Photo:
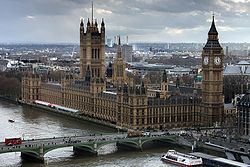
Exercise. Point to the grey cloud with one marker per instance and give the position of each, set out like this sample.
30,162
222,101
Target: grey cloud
58,20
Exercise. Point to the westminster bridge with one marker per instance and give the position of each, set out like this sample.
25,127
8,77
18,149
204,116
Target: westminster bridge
35,149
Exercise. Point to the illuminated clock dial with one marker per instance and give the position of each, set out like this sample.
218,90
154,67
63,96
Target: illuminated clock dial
205,60
217,60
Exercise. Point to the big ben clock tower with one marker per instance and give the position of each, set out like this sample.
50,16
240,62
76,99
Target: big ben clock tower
212,83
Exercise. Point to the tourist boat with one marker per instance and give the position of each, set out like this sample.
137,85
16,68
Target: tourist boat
181,159
11,121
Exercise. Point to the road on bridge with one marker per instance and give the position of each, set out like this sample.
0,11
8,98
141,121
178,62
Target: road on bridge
71,140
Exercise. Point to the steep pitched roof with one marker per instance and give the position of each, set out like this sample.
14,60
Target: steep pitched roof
213,30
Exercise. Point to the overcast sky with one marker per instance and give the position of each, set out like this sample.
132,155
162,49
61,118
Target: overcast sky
57,21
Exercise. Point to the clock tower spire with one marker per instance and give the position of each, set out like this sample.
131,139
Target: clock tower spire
212,84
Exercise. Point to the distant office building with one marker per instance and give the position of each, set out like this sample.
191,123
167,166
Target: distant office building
3,65
236,80
127,52
243,108
109,42
227,54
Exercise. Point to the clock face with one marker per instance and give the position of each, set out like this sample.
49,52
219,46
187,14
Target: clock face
205,60
217,61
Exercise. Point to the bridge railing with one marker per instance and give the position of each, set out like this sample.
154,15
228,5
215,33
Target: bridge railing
74,140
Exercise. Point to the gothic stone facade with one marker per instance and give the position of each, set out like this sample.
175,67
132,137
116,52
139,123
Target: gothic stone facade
212,83
128,106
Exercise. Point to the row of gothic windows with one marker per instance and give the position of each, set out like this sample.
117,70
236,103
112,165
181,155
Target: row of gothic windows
95,53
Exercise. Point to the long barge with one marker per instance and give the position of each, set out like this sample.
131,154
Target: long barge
215,161
61,111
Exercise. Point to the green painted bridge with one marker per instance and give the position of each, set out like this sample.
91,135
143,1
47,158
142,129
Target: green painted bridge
35,150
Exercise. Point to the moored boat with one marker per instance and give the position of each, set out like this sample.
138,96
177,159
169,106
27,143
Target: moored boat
181,159
11,121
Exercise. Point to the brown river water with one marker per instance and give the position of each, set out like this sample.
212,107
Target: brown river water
32,123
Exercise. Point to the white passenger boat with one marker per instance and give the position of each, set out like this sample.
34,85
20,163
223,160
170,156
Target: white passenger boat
181,159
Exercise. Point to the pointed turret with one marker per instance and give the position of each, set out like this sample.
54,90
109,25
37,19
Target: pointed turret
81,22
213,30
102,24
119,73
81,26
119,48
88,23
119,40
96,23
164,77
213,40
164,94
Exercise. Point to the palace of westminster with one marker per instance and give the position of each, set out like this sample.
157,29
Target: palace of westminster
129,105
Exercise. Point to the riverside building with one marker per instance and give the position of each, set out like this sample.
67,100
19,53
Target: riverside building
129,105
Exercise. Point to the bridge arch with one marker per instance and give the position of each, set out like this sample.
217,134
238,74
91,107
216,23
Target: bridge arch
32,155
156,139
131,142
85,149
146,141
134,143
99,145
49,149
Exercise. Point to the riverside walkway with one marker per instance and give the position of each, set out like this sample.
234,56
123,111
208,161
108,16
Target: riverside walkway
35,149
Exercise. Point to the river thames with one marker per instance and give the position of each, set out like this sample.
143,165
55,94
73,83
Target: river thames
31,123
